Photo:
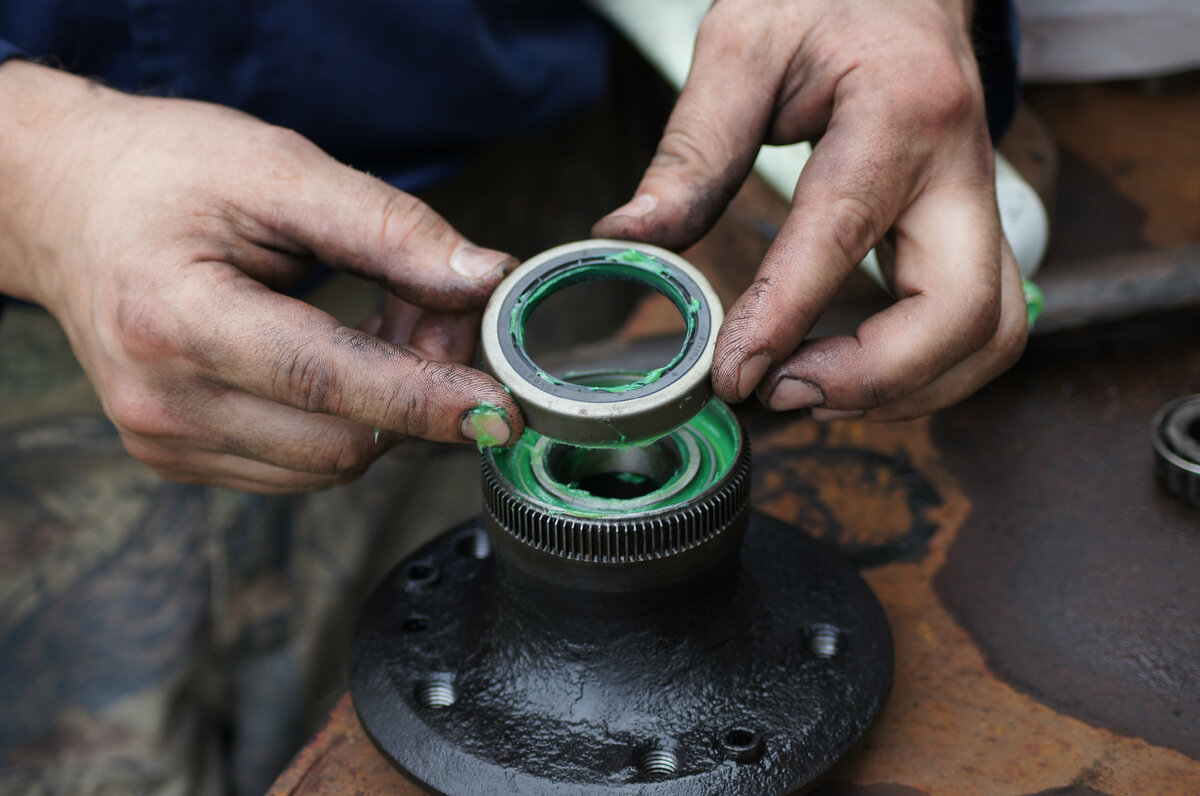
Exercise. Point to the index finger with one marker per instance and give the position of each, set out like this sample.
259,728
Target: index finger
948,279
853,187
287,351
360,224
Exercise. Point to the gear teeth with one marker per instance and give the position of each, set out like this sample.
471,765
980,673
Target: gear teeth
625,539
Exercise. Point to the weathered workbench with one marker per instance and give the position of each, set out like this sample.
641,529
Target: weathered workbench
1042,589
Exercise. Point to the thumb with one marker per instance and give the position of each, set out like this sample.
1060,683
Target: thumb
707,149
360,224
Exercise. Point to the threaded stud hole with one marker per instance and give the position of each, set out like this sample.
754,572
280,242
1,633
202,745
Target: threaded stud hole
437,694
825,641
474,544
658,763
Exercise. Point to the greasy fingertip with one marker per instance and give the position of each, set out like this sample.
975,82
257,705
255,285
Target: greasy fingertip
750,373
793,393
635,209
489,425
479,264
672,217
725,378
734,376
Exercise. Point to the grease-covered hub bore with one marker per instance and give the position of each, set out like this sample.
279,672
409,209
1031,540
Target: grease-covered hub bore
617,412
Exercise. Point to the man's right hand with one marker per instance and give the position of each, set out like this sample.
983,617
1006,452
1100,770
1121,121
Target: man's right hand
157,231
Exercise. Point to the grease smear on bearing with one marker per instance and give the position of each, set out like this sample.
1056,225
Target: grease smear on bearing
630,266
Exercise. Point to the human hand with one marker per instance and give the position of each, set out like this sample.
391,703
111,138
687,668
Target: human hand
157,230
890,94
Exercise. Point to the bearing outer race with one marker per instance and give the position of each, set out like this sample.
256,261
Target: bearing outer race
574,413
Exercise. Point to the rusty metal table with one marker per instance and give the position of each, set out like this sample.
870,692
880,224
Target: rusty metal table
1043,590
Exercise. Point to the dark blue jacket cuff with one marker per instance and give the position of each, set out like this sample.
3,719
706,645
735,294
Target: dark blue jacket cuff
8,51
996,38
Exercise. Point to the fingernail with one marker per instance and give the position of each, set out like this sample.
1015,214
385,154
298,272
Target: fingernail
637,207
792,393
751,373
836,414
476,262
487,426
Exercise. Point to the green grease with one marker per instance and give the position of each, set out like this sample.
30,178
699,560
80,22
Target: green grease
481,417
635,256
714,429
1035,300
630,266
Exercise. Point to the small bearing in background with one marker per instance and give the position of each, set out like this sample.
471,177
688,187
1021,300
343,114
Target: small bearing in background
617,411
1176,437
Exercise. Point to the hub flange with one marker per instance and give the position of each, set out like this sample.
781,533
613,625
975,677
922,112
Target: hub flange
473,680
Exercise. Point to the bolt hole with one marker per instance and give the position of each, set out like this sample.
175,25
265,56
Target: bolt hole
1193,430
420,574
415,624
740,738
658,763
742,744
437,694
473,545
825,641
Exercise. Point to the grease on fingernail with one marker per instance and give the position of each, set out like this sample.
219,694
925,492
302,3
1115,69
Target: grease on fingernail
487,426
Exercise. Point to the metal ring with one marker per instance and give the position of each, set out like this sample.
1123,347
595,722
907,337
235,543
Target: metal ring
1176,439
621,411
685,467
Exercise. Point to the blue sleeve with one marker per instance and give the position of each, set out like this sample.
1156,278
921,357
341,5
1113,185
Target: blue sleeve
8,51
996,38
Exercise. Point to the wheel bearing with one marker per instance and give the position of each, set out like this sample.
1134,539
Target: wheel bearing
616,413
1176,438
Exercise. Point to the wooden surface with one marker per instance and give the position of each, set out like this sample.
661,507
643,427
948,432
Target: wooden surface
937,509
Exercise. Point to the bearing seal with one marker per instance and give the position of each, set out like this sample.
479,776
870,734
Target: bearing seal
612,413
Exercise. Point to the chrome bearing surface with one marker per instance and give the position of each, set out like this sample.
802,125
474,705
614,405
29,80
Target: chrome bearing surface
620,411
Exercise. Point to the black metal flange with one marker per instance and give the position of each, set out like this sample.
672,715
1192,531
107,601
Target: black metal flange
472,678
